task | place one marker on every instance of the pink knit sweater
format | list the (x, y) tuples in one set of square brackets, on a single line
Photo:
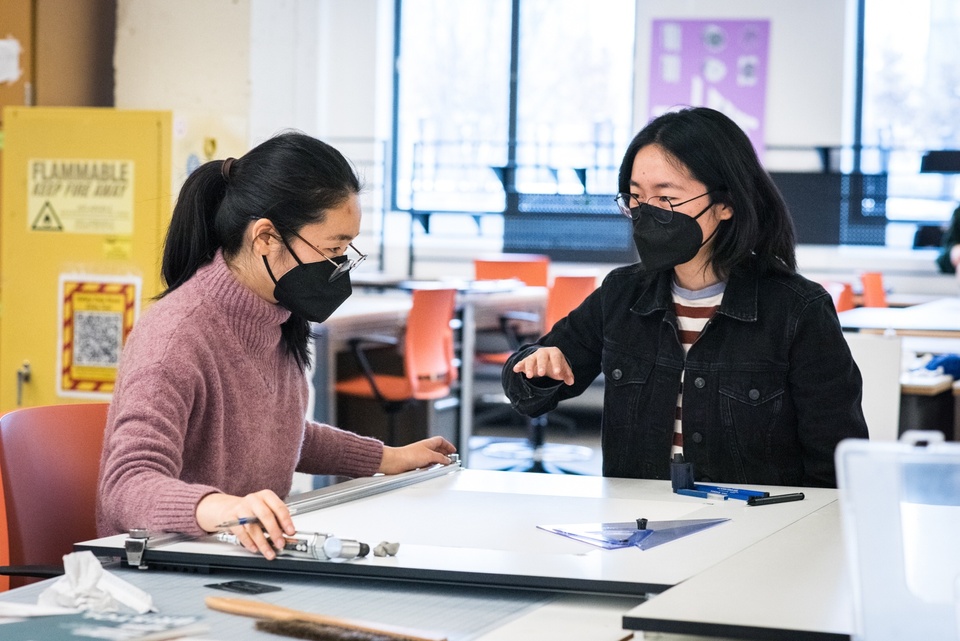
[(207, 400)]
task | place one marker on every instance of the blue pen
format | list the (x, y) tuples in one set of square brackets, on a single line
[(700, 494), (244, 520), (732, 492), (241, 521)]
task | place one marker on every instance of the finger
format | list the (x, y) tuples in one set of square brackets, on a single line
[(442, 445), (253, 539), (279, 515), (260, 542), (561, 368), (543, 363), (524, 366), (244, 538)]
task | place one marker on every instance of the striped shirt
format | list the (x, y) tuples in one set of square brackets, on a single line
[(693, 310)]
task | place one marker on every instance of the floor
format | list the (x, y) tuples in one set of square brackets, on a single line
[(572, 442)]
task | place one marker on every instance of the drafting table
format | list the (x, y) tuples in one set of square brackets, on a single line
[(477, 530), (385, 313)]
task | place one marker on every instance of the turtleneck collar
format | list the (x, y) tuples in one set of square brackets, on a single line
[(256, 321)]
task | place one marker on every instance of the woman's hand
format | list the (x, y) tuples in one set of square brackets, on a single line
[(265, 505), (416, 455), (546, 361)]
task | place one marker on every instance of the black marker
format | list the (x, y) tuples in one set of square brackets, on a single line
[(770, 500)]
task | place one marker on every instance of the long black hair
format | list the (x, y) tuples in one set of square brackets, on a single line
[(291, 179), (720, 155)]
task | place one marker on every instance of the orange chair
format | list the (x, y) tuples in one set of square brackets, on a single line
[(427, 359), (874, 294), (532, 269), (495, 347), (49, 463), (841, 293), (566, 293)]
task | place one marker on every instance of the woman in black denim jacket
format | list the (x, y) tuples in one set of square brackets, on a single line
[(768, 388)]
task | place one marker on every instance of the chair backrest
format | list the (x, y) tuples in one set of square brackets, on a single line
[(428, 343), (566, 293), (874, 294), (841, 293), (49, 463), (878, 357), (532, 269)]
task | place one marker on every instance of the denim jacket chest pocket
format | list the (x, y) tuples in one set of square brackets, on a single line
[(625, 380), (751, 404)]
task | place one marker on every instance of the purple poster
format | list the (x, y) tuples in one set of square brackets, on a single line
[(720, 64)]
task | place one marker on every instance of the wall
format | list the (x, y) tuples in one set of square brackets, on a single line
[(811, 68), (183, 54), (74, 52)]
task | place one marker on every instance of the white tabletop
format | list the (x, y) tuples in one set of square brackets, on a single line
[(793, 584), (480, 528), (942, 315)]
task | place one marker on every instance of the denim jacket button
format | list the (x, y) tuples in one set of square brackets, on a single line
[(698, 382), (616, 375), (697, 437), (754, 394)]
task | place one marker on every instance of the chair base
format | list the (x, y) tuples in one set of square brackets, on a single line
[(547, 458)]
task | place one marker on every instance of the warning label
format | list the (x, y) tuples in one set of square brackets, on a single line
[(80, 196), (96, 316)]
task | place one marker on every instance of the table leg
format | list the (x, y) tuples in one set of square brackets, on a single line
[(468, 341)]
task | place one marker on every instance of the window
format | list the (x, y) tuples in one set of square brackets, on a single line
[(463, 125), (452, 104), (575, 94), (911, 98)]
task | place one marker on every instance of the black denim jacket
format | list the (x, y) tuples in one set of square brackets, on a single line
[(770, 386)]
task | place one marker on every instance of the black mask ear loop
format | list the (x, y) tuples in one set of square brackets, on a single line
[(707, 239), (269, 271), (289, 249)]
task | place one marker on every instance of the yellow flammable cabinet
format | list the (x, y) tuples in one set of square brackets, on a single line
[(85, 207)]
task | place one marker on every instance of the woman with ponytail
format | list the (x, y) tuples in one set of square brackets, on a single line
[(712, 346), (207, 421)]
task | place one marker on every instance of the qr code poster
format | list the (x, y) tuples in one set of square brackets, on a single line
[(96, 316)]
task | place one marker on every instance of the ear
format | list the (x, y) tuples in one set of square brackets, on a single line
[(264, 236), (723, 212)]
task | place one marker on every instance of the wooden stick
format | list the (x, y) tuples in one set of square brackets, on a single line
[(263, 610)]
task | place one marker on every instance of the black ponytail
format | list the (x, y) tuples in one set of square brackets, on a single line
[(192, 238)]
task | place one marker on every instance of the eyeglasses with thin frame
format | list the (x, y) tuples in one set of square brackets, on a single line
[(660, 207), (344, 266)]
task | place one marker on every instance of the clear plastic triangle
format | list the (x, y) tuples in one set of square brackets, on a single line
[(611, 536)]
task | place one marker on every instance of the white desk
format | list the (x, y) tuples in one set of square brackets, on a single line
[(793, 584), (385, 313), (936, 318)]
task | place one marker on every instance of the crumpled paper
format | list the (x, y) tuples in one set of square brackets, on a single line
[(85, 585)]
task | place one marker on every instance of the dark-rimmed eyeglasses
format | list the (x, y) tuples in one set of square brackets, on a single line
[(660, 207), (344, 265)]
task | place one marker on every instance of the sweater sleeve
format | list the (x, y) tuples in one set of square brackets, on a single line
[(330, 450), (142, 459)]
